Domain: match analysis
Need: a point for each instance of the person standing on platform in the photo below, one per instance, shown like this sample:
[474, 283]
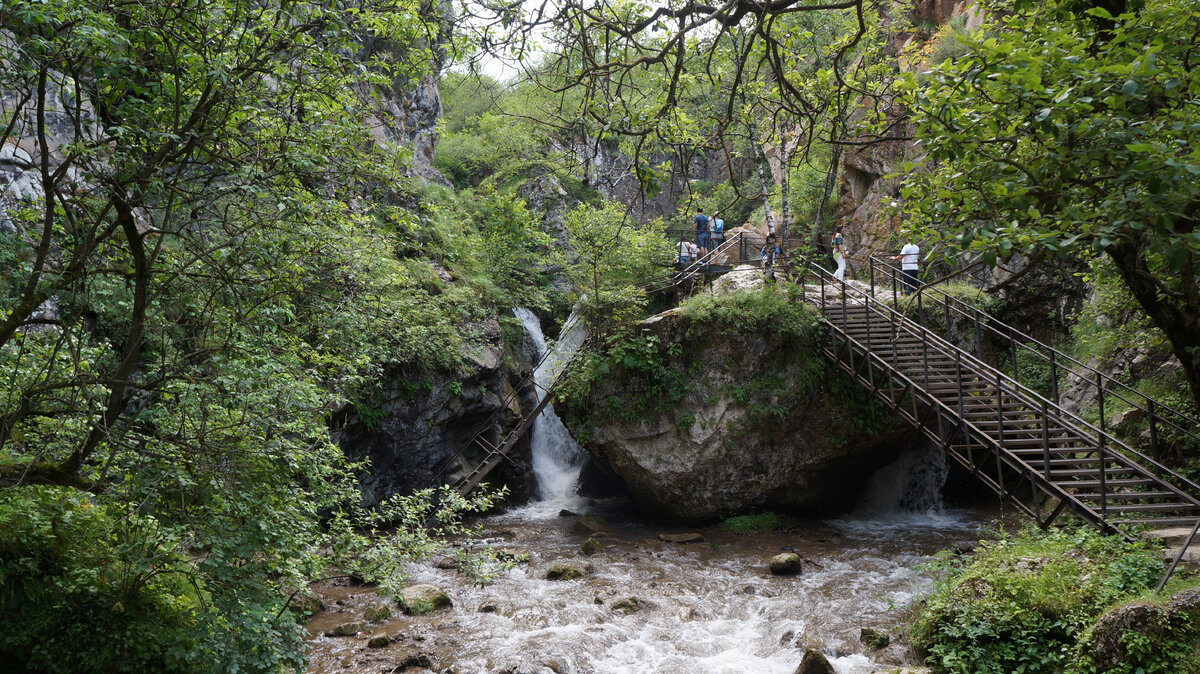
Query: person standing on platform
[717, 235]
[908, 265]
[838, 244]
[701, 221]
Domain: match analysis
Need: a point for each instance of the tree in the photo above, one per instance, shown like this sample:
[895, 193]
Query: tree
[1059, 132]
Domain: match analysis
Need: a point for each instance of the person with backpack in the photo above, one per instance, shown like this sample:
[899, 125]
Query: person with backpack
[701, 221]
[717, 235]
[838, 246]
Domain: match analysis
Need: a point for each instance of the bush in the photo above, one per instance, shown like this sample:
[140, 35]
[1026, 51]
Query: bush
[1024, 602]
[759, 522]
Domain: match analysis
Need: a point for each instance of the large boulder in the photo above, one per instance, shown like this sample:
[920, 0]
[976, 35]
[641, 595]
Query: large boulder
[712, 416]
[423, 598]
[1157, 627]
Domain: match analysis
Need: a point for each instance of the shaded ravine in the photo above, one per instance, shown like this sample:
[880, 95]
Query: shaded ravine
[709, 607]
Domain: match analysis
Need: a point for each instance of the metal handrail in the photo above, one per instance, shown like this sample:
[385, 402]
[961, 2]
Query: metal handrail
[1017, 388]
[1056, 360]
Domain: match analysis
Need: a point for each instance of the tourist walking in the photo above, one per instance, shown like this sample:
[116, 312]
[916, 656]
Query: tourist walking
[701, 221]
[717, 233]
[838, 244]
[908, 265]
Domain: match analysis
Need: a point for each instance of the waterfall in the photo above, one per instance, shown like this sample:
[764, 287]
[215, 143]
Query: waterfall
[557, 458]
[910, 484]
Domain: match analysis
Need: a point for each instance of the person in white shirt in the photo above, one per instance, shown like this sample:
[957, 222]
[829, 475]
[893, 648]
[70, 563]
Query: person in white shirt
[838, 244]
[908, 265]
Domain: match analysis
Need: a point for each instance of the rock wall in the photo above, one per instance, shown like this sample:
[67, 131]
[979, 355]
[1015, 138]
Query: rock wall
[761, 421]
[412, 432]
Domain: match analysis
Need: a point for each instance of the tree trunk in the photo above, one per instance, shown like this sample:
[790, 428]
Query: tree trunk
[765, 193]
[1177, 314]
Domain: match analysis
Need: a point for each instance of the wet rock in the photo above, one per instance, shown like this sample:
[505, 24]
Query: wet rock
[597, 600]
[591, 546]
[681, 538]
[446, 563]
[814, 662]
[590, 524]
[565, 513]
[423, 598]
[345, 629]
[873, 638]
[628, 605]
[378, 641]
[786, 564]
[418, 661]
[563, 572]
[513, 556]
[378, 613]
[488, 607]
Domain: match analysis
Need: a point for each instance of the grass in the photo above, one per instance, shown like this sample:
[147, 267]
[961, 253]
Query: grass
[750, 523]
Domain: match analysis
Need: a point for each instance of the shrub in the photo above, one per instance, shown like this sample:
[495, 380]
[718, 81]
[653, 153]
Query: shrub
[758, 522]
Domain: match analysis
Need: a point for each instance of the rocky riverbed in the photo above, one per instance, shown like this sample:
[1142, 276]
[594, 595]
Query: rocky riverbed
[645, 604]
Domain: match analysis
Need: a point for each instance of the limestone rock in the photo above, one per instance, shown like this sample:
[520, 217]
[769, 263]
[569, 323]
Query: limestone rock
[681, 538]
[378, 613]
[873, 638]
[814, 662]
[563, 572]
[786, 564]
[378, 641]
[591, 546]
[346, 629]
[744, 277]
[423, 598]
[759, 423]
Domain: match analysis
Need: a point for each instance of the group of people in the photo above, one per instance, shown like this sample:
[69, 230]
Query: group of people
[710, 234]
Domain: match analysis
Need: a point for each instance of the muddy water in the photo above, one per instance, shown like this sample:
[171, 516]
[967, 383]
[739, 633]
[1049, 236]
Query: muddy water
[708, 607]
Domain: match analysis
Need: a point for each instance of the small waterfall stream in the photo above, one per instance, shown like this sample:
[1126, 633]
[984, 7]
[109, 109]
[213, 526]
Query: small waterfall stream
[557, 458]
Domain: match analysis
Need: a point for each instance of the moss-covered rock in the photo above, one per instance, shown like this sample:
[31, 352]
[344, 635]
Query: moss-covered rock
[563, 572]
[727, 405]
[873, 638]
[785, 564]
[421, 599]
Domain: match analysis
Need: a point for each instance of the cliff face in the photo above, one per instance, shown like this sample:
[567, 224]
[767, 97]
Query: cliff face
[708, 418]
[413, 429]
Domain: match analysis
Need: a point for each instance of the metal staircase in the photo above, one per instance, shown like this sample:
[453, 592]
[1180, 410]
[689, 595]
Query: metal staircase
[1022, 443]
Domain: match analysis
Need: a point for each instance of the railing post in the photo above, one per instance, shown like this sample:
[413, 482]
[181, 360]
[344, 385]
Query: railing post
[920, 309]
[999, 410]
[895, 297]
[949, 323]
[978, 336]
[822, 291]
[1054, 376]
[872, 261]
[1100, 398]
[925, 356]
[1012, 344]
[1045, 441]
[958, 382]
[843, 289]
[1154, 451]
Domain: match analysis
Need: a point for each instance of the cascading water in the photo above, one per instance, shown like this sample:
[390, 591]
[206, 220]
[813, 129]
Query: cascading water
[557, 458]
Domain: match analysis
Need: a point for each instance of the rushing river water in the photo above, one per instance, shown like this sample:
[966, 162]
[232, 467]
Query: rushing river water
[704, 607]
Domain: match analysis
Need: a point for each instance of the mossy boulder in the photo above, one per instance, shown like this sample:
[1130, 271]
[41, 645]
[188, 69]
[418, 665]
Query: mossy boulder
[814, 662]
[681, 538]
[378, 613]
[346, 629]
[379, 641]
[873, 638]
[786, 564]
[591, 546]
[628, 605]
[421, 599]
[563, 572]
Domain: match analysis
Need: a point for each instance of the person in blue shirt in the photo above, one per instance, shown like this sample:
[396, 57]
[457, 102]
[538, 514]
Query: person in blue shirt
[717, 233]
[701, 231]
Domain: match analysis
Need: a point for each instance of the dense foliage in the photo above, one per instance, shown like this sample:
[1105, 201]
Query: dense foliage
[1060, 130]
[1026, 603]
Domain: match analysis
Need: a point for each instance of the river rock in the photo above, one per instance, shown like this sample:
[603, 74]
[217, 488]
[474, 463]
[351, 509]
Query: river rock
[378, 641]
[681, 538]
[873, 638]
[446, 563]
[591, 546]
[814, 662]
[628, 605]
[752, 420]
[345, 629]
[786, 564]
[563, 572]
[590, 524]
[378, 613]
[423, 598]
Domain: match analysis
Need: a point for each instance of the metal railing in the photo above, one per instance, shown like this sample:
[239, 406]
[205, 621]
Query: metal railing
[1158, 415]
[1107, 448]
